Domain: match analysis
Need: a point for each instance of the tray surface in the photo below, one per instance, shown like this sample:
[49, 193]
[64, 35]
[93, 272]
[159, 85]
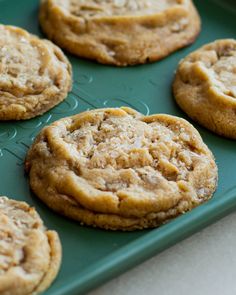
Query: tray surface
[92, 256]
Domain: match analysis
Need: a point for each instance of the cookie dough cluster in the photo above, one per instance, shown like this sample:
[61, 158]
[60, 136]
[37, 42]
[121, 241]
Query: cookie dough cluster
[111, 168]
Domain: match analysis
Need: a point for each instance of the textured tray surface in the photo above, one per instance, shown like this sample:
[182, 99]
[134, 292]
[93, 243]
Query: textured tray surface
[92, 256]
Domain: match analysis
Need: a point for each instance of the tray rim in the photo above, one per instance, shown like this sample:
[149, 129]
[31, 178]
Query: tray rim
[150, 244]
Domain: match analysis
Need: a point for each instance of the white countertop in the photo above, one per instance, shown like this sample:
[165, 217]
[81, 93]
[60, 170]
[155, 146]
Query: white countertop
[202, 264]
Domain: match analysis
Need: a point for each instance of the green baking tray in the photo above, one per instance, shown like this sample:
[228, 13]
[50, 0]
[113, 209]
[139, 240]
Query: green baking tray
[92, 256]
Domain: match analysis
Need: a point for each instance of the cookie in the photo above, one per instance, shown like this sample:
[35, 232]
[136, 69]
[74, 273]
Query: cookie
[30, 256]
[34, 74]
[117, 169]
[205, 86]
[120, 32]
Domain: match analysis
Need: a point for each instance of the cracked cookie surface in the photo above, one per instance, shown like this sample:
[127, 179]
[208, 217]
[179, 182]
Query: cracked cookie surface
[34, 74]
[30, 255]
[205, 86]
[120, 32]
[117, 169]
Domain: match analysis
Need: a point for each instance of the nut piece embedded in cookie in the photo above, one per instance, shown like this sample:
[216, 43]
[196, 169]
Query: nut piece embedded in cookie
[117, 169]
[30, 256]
[120, 32]
[35, 75]
[205, 86]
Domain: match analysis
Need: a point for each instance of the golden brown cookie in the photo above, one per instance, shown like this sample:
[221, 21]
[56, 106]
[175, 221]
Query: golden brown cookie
[117, 169]
[30, 256]
[34, 74]
[120, 32]
[205, 86]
